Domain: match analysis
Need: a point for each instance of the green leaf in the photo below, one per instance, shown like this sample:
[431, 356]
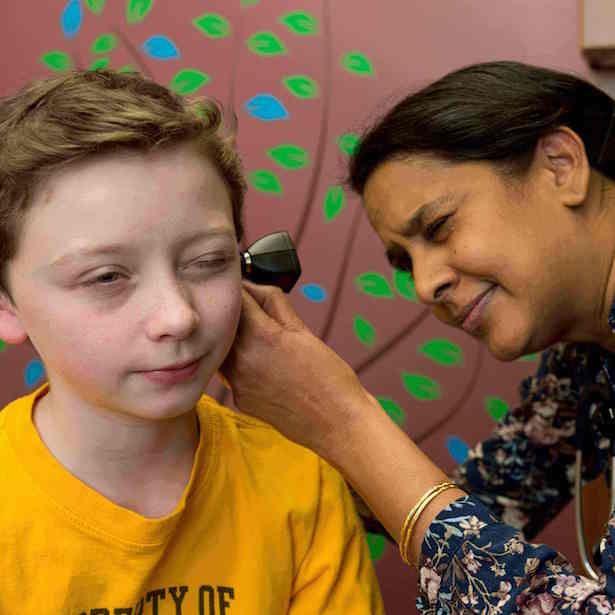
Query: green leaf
[300, 22]
[377, 544]
[289, 156]
[442, 351]
[96, 6]
[393, 410]
[404, 284]
[266, 44]
[421, 387]
[249, 2]
[128, 68]
[188, 80]
[99, 63]
[372, 283]
[496, 407]
[212, 25]
[356, 62]
[364, 330]
[265, 181]
[56, 60]
[2, 345]
[334, 202]
[137, 10]
[530, 357]
[104, 43]
[301, 86]
[348, 143]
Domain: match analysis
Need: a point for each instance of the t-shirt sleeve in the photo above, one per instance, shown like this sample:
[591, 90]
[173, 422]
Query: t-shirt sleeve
[336, 574]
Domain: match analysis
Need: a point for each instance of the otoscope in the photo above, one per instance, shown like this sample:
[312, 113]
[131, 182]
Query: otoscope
[272, 260]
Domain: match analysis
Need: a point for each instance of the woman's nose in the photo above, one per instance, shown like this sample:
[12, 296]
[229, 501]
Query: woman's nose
[433, 281]
[173, 313]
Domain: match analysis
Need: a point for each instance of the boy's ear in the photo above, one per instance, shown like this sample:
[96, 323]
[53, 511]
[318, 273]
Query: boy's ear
[561, 153]
[11, 329]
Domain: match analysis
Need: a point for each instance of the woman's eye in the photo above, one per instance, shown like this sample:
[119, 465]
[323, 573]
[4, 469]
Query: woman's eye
[435, 226]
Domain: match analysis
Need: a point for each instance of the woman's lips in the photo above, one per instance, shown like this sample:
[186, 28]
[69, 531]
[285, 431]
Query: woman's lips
[472, 321]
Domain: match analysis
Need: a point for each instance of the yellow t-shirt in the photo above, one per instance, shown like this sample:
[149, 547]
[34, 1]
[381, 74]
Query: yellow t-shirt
[264, 527]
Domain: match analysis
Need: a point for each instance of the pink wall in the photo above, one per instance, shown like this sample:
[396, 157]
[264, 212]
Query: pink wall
[408, 43]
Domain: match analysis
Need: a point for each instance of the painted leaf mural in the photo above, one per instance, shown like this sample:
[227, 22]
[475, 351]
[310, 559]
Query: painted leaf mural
[304, 81]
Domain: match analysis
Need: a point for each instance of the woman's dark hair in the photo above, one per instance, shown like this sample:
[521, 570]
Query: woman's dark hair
[494, 112]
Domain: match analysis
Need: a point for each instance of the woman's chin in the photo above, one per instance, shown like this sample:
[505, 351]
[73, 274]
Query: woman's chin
[507, 349]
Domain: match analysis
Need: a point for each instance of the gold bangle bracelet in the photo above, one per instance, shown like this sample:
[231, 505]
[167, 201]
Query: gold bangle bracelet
[415, 513]
[412, 513]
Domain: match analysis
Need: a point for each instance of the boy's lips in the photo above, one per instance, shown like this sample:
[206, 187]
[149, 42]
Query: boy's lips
[174, 374]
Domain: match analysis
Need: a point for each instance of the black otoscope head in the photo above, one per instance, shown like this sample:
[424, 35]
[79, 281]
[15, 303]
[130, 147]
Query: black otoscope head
[272, 260]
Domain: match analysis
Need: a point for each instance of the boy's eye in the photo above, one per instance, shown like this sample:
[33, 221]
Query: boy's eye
[212, 262]
[105, 279]
[435, 226]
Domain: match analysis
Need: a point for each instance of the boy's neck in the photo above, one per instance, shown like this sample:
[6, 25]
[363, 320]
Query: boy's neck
[144, 466]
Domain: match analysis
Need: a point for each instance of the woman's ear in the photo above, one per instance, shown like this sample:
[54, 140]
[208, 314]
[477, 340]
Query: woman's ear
[561, 154]
[11, 329]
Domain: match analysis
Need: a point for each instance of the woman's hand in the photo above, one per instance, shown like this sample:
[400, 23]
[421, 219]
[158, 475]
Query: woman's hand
[281, 373]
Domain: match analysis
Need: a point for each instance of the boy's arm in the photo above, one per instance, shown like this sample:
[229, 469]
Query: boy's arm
[336, 574]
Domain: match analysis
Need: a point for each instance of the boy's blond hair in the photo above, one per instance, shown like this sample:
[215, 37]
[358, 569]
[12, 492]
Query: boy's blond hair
[57, 121]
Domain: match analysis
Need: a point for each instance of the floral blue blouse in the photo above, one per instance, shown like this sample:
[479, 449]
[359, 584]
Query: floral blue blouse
[476, 557]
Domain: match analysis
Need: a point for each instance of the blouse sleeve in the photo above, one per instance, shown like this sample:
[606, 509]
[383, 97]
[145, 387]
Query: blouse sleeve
[473, 563]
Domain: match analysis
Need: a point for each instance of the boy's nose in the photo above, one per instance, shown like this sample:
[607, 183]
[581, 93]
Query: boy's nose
[173, 314]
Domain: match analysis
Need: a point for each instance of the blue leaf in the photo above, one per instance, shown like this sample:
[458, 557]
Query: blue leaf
[161, 48]
[72, 15]
[457, 448]
[34, 372]
[314, 292]
[266, 107]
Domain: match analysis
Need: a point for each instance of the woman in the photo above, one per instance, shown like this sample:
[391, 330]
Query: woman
[493, 186]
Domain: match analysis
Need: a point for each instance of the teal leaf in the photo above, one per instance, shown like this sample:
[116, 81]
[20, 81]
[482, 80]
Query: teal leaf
[404, 284]
[334, 202]
[266, 44]
[56, 60]
[375, 284]
[266, 107]
[300, 22]
[442, 351]
[72, 18]
[160, 47]
[356, 62]
[99, 63]
[496, 407]
[289, 156]
[364, 330]
[212, 25]
[394, 411]
[348, 143]
[137, 10]
[377, 544]
[188, 80]
[301, 86]
[96, 6]
[421, 387]
[265, 181]
[104, 43]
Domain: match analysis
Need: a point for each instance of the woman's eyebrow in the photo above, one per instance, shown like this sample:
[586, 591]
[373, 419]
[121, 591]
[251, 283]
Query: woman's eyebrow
[416, 221]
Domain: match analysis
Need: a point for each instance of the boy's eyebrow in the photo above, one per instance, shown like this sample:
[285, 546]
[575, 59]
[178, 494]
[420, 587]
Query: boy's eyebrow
[119, 248]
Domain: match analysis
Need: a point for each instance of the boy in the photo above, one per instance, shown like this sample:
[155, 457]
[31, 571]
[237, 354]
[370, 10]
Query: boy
[126, 490]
